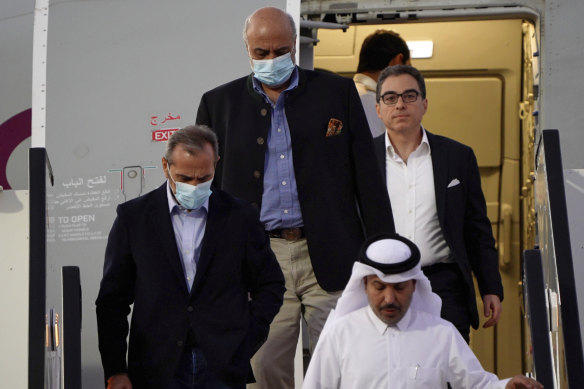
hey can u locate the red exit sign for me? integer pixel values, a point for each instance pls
(162, 135)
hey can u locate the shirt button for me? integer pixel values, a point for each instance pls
(263, 112)
(279, 130)
(260, 141)
(283, 182)
(282, 156)
(410, 211)
(257, 174)
(190, 308)
(285, 211)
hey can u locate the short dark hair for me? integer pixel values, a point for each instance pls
(193, 138)
(399, 70)
(379, 49)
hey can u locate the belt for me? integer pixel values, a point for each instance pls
(287, 233)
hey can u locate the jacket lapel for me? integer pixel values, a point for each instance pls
(381, 154)
(440, 169)
(216, 216)
(162, 225)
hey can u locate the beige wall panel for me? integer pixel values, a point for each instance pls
(14, 233)
(339, 46)
(483, 339)
(490, 179)
(469, 110)
(477, 38)
(509, 350)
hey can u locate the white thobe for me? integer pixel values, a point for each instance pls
(422, 351)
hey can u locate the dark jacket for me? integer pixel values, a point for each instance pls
(341, 194)
(462, 213)
(143, 267)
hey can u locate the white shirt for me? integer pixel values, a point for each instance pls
(413, 201)
(366, 87)
(359, 351)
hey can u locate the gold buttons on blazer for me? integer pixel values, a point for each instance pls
(263, 112)
(260, 140)
(257, 174)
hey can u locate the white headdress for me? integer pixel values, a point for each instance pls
(393, 259)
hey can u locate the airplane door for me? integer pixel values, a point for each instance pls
(473, 74)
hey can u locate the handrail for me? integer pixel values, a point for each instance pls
(554, 242)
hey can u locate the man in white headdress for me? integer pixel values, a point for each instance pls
(386, 331)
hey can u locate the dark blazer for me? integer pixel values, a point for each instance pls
(462, 213)
(143, 267)
(341, 194)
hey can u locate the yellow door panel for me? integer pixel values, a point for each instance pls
(461, 46)
(467, 109)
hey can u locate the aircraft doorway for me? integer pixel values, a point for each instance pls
(474, 73)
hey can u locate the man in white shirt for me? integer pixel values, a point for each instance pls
(380, 49)
(435, 190)
(386, 331)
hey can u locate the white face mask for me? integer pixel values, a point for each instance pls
(191, 196)
(273, 72)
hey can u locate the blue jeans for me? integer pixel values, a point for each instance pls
(192, 373)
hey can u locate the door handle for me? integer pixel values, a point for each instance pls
(505, 236)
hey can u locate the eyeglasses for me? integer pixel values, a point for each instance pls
(391, 98)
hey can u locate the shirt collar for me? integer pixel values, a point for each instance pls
(391, 150)
(257, 86)
(369, 83)
(173, 206)
(382, 327)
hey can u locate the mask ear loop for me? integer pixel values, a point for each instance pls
(168, 170)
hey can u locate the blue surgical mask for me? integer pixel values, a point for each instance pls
(191, 196)
(273, 72)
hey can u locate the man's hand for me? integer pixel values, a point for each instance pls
(119, 381)
(522, 382)
(492, 309)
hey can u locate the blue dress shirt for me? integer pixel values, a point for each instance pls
(280, 205)
(189, 228)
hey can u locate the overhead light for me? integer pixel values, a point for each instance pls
(420, 49)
